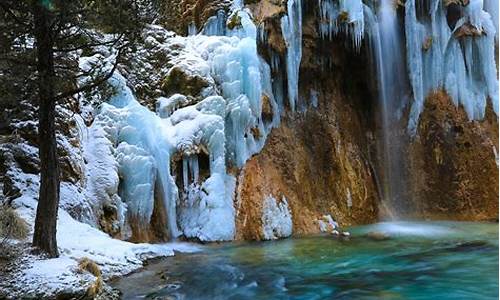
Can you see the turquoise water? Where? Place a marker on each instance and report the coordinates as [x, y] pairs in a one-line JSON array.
[[432, 260]]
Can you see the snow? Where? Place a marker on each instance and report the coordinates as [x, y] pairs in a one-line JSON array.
[[166, 106], [102, 177], [276, 219], [39, 277]]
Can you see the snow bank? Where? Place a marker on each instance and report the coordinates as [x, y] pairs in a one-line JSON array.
[[38, 277]]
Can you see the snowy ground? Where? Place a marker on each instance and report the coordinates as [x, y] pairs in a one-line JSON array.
[[37, 277]]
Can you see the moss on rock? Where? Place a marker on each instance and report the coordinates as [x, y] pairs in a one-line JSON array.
[[178, 81]]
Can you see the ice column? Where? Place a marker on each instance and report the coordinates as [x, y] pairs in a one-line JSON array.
[[291, 27]]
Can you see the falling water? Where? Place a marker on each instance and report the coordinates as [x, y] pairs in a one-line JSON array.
[[391, 78]]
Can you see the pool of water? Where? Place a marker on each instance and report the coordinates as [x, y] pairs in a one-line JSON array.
[[431, 260]]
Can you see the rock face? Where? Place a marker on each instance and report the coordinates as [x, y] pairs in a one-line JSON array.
[[304, 163], [323, 160], [453, 163], [179, 14], [318, 158]]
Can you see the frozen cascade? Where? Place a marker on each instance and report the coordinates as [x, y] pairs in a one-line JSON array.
[[204, 212], [215, 25], [244, 79], [345, 16], [291, 27], [143, 154], [192, 29], [439, 57], [230, 126]]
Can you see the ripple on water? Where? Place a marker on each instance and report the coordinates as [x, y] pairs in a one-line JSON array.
[[432, 260]]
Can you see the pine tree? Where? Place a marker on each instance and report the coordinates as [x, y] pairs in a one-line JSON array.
[[60, 28]]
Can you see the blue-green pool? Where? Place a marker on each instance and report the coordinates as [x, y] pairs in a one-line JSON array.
[[431, 260]]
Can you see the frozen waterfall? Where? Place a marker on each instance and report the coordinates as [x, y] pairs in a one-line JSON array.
[[180, 153], [143, 153], [461, 61]]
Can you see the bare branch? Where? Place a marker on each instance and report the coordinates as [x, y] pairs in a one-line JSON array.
[[86, 46], [94, 84]]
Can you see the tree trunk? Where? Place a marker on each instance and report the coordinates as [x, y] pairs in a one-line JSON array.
[[46, 215]]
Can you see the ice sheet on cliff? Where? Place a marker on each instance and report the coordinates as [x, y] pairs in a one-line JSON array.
[[461, 62], [227, 124]]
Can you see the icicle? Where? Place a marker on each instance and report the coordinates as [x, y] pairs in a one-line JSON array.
[[192, 29], [267, 89], [216, 25], [314, 98], [414, 42], [464, 65], [185, 173], [194, 168], [491, 6], [262, 34], [291, 26], [345, 16], [275, 61]]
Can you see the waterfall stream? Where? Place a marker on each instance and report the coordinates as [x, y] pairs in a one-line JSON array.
[[391, 76]]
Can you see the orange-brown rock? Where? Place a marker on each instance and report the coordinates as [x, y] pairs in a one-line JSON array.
[[467, 30], [266, 9], [178, 15], [308, 163], [318, 158], [453, 163]]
